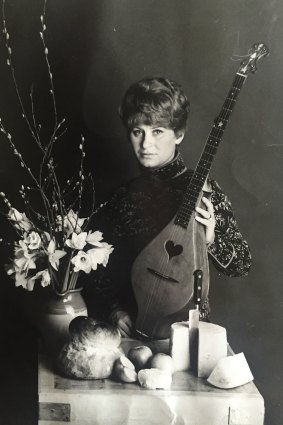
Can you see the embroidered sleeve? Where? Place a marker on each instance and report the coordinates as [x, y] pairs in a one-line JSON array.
[[101, 288], [119, 220], [229, 252]]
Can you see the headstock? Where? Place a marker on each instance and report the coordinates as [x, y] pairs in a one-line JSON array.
[[256, 52]]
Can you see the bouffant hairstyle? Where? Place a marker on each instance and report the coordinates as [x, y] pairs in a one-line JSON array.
[[155, 101]]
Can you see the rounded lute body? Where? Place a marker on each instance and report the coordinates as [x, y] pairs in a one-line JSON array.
[[163, 277]]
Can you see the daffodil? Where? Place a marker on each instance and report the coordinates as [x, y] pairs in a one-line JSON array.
[[21, 280], [20, 249], [82, 261], [45, 280], [94, 238], [71, 223], [33, 240], [20, 220], [45, 277], [77, 241], [25, 262], [54, 255], [100, 255]]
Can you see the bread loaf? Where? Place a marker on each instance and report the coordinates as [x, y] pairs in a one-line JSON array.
[[77, 360], [91, 351]]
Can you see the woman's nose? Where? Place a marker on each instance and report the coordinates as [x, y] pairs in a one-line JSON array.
[[147, 140]]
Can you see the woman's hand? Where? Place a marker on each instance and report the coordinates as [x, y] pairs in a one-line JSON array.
[[207, 219], [122, 320]]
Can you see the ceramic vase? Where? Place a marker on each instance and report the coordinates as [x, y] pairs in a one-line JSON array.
[[57, 313]]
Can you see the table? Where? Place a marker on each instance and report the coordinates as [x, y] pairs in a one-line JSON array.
[[190, 400]]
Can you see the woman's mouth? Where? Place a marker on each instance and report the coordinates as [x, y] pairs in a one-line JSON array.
[[147, 154]]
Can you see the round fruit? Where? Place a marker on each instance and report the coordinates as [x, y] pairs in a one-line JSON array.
[[163, 362], [125, 370], [139, 356]]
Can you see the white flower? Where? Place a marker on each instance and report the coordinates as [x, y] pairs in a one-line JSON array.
[[108, 249], [82, 261], [94, 238], [21, 280], [30, 284], [24, 262], [71, 223], [14, 215], [20, 219], [100, 255], [45, 280], [20, 249], [10, 269], [45, 277], [54, 255], [33, 240], [77, 241]]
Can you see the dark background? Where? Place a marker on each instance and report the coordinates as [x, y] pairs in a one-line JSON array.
[[97, 48]]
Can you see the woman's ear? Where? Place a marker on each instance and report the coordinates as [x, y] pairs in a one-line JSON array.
[[179, 138]]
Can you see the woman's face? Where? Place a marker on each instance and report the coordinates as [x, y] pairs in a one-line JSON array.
[[154, 146]]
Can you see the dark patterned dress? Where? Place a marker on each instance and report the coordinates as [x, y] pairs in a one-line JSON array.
[[135, 214]]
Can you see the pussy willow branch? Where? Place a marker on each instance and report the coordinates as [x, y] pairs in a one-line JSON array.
[[24, 165], [10, 64], [12, 69], [52, 92], [6, 201], [43, 185], [29, 206], [13, 146], [46, 157], [56, 125], [93, 202], [34, 121], [81, 179]]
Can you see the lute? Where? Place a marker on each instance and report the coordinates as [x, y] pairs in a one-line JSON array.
[[163, 273]]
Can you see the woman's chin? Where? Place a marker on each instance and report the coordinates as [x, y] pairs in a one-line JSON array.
[[149, 162]]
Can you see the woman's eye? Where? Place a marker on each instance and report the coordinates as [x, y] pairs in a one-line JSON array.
[[157, 131], [136, 133]]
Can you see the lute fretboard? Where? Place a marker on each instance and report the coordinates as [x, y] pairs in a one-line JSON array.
[[204, 164]]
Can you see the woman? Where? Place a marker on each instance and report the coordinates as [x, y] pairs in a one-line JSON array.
[[154, 112]]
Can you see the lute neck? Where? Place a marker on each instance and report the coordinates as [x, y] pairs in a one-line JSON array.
[[204, 164]]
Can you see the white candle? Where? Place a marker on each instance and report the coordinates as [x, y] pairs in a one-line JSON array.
[[211, 348], [179, 345]]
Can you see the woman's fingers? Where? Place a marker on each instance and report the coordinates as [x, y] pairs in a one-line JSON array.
[[124, 332], [207, 218], [125, 325], [122, 320], [209, 205], [202, 220], [209, 212], [124, 328], [204, 213]]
